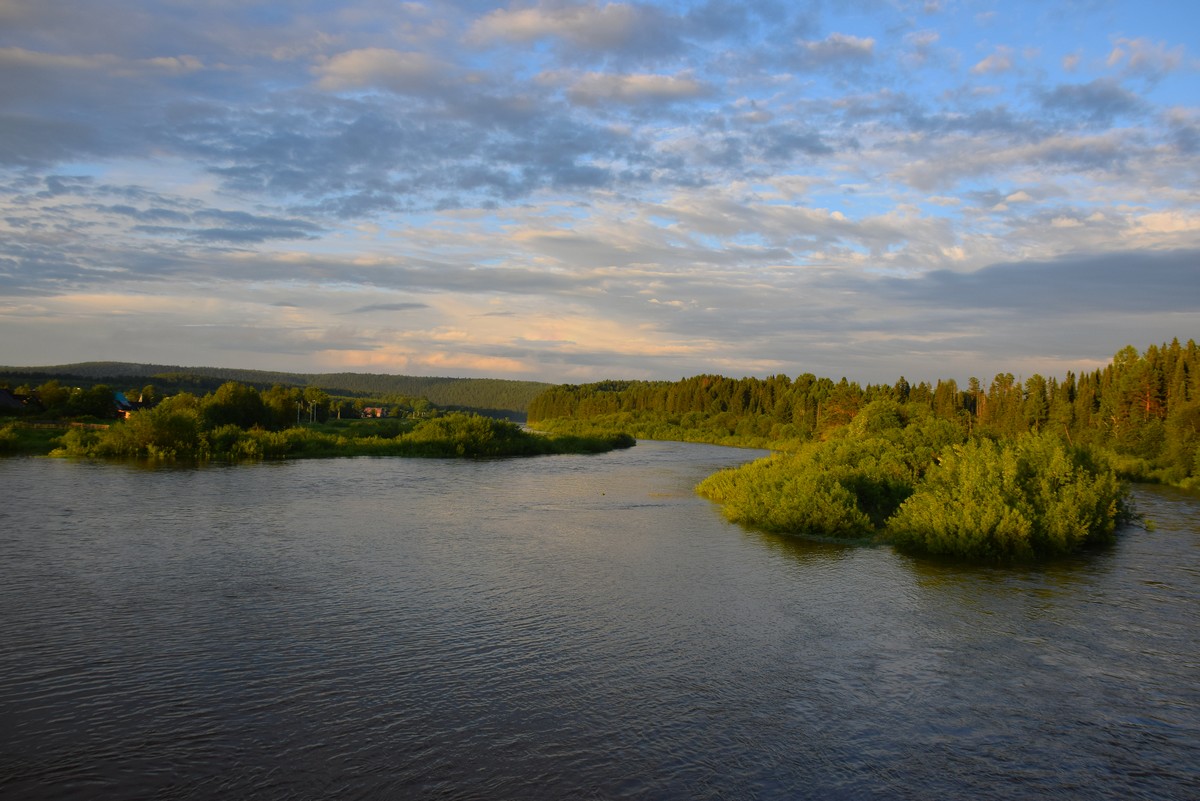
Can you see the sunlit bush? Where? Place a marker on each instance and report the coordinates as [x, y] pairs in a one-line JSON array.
[[1030, 497], [847, 486], [8, 439]]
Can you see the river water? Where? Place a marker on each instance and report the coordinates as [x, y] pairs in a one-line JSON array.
[[560, 628]]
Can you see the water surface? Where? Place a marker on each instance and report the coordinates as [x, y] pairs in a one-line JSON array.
[[562, 627]]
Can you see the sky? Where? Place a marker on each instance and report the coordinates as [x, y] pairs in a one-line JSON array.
[[570, 191]]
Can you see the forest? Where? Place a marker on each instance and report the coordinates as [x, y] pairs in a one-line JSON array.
[[1014, 471], [1142, 408]]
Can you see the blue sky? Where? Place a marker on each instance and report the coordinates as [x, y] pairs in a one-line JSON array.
[[570, 191]]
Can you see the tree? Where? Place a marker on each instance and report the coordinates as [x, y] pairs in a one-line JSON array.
[[98, 401], [234, 404], [1037, 402], [53, 396], [316, 402], [281, 406]]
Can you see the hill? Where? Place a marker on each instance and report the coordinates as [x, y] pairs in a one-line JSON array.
[[491, 396]]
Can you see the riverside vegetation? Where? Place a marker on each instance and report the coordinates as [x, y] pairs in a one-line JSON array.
[[238, 423], [1018, 470], [896, 474]]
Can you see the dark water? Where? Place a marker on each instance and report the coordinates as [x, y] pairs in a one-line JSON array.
[[563, 627]]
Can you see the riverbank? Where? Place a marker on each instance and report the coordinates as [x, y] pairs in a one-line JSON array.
[[176, 436]]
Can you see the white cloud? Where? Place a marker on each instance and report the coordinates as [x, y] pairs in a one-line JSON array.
[[585, 25], [581, 188], [16, 57], [835, 49], [376, 67], [594, 87], [1167, 222], [1145, 58], [998, 62], [922, 43]]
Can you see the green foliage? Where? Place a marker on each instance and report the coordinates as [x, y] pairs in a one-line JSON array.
[[168, 431], [9, 441], [898, 474], [491, 396], [847, 486], [177, 430], [783, 495], [234, 404], [1027, 498], [1144, 408], [54, 396]]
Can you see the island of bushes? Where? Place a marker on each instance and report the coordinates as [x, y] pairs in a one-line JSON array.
[[903, 477]]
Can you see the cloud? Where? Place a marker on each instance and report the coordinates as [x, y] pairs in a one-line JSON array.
[[583, 187], [376, 67], [20, 58], [1167, 222], [1143, 58], [587, 27], [27, 140], [1184, 129], [963, 157], [998, 62], [922, 46], [242, 227], [834, 51], [1150, 282], [1099, 101], [389, 307], [595, 88]]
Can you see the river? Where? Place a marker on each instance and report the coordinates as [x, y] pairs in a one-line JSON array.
[[559, 628]]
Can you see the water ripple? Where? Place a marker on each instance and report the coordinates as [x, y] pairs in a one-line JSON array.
[[562, 628]]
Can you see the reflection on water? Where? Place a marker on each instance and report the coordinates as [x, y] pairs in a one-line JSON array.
[[805, 551], [562, 627]]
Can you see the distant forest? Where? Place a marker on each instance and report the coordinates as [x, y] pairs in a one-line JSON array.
[[1143, 407], [490, 396]]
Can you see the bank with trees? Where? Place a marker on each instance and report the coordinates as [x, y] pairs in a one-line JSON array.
[[236, 422], [1143, 409], [1019, 470]]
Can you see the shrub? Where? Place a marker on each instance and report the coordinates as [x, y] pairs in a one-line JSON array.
[[1031, 497], [788, 494], [847, 486], [8, 439]]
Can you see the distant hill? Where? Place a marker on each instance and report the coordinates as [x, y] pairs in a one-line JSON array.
[[493, 396]]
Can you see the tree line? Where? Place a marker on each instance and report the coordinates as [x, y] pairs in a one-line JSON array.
[[1142, 407], [492, 396], [236, 422], [230, 402]]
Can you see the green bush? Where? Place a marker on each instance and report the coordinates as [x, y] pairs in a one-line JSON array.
[[847, 486], [1030, 497], [908, 477], [175, 431], [788, 494]]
